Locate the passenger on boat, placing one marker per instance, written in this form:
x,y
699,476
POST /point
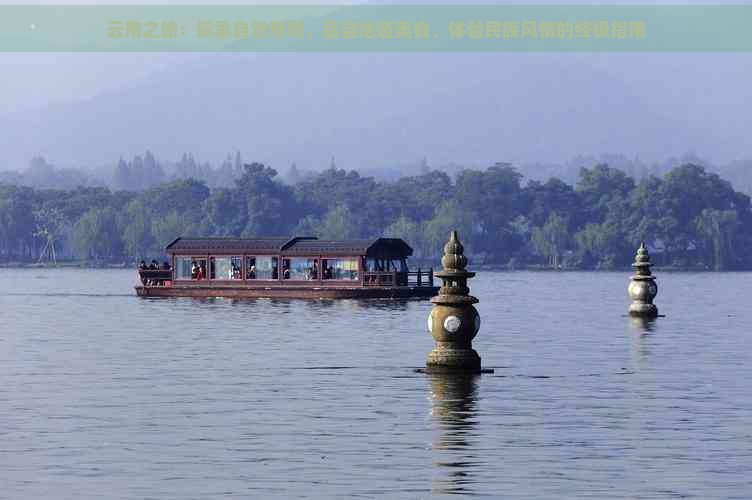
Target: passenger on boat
x,y
154,265
252,273
166,266
194,270
142,267
201,273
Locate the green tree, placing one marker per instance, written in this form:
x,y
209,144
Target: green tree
x,y
409,231
718,229
96,235
335,187
224,213
553,196
166,229
137,234
17,224
448,217
598,187
493,199
270,205
338,224
182,196
552,239
602,246
308,226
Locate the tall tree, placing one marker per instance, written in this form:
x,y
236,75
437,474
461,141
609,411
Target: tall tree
x,y
137,234
270,205
552,239
96,235
408,230
599,186
718,229
492,198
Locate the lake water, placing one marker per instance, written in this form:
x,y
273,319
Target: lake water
x,y
105,395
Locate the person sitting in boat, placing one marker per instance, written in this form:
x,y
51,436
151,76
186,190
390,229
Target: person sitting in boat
x,y
166,266
201,272
194,270
142,267
154,265
252,273
314,271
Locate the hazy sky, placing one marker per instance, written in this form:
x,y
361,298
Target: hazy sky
x,y
715,86
34,80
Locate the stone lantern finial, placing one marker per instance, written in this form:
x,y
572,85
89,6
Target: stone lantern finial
x,y
453,321
642,288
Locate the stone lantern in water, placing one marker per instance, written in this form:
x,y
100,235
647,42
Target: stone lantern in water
x,y
454,321
642,288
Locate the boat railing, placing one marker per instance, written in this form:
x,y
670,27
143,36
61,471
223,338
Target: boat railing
x,y
154,277
421,277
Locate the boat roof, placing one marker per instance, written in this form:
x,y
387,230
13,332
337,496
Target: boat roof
x,y
292,246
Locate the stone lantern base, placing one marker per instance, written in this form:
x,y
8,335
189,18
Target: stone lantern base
x,y
450,358
643,310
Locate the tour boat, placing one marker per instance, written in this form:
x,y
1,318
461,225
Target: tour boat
x,y
286,267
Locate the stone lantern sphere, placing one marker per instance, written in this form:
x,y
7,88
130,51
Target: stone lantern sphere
x,y
453,321
642,288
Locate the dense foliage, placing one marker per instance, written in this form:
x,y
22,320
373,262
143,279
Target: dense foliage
x,y
689,217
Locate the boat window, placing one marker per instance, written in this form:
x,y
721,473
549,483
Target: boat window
x,y
261,268
340,269
198,271
398,265
183,266
301,268
226,268
385,265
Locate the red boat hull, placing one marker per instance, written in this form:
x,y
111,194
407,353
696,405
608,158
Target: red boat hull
x,y
403,292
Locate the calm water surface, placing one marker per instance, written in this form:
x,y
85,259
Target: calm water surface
x,y
105,395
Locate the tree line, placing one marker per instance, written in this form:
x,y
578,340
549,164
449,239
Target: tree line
x,y
691,218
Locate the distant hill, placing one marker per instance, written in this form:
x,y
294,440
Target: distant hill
x,y
385,111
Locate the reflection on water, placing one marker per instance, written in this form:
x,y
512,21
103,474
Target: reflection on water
x,y
396,305
642,324
453,409
642,329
